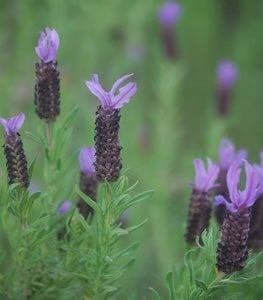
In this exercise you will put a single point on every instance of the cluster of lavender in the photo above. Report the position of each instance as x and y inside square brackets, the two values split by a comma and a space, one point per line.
[101, 163]
[240, 229]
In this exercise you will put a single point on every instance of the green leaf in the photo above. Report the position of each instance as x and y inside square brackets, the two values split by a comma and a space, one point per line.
[189, 264]
[201, 284]
[155, 295]
[31, 168]
[170, 283]
[87, 199]
[69, 119]
[139, 198]
[135, 227]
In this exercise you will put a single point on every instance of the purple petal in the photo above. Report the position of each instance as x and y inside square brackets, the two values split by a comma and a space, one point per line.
[221, 200]
[118, 82]
[126, 92]
[227, 74]
[97, 90]
[86, 160]
[13, 124]
[48, 45]
[233, 177]
[169, 13]
[65, 207]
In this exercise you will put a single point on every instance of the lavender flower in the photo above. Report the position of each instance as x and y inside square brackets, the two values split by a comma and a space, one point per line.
[232, 248]
[65, 207]
[255, 238]
[200, 203]
[169, 14]
[48, 45]
[47, 86]
[227, 75]
[16, 162]
[88, 181]
[226, 155]
[108, 161]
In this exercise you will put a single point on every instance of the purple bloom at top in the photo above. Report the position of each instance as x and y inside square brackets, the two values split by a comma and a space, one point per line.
[227, 74]
[169, 13]
[65, 207]
[109, 99]
[240, 199]
[86, 160]
[205, 179]
[227, 154]
[47, 45]
[13, 124]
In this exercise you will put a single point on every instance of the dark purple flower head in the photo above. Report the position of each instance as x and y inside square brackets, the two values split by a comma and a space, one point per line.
[86, 160]
[227, 74]
[47, 45]
[240, 199]
[65, 207]
[205, 180]
[109, 99]
[12, 125]
[169, 13]
[227, 154]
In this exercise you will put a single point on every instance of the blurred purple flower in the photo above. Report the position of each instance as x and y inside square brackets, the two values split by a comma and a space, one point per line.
[227, 154]
[246, 198]
[169, 13]
[205, 180]
[13, 124]
[227, 74]
[109, 99]
[47, 45]
[86, 160]
[65, 207]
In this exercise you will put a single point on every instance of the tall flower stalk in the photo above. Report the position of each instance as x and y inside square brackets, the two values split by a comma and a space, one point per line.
[108, 149]
[16, 162]
[200, 206]
[169, 14]
[232, 250]
[47, 88]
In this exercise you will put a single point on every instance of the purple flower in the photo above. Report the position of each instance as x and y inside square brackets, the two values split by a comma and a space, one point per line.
[12, 125]
[65, 207]
[205, 180]
[227, 154]
[47, 45]
[240, 199]
[109, 99]
[86, 160]
[169, 13]
[227, 74]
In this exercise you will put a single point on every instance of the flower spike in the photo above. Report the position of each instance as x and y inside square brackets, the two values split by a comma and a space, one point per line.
[16, 162]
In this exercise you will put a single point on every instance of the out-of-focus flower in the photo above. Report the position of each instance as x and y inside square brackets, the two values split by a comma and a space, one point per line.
[200, 202]
[88, 181]
[16, 162]
[47, 45]
[169, 13]
[109, 99]
[227, 74]
[87, 159]
[65, 207]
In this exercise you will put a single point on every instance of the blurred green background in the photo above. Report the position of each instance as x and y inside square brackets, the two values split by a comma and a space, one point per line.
[172, 118]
